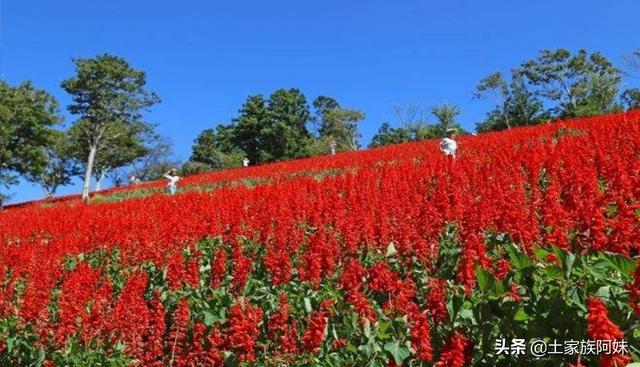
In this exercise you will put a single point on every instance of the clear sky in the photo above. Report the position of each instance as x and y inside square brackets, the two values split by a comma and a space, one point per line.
[205, 57]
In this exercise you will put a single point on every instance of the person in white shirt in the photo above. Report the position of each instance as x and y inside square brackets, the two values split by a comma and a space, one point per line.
[332, 147]
[133, 180]
[448, 145]
[172, 183]
[245, 162]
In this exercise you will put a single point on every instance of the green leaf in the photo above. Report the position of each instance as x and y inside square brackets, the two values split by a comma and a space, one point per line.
[560, 254]
[600, 268]
[383, 326]
[624, 265]
[521, 315]
[500, 287]
[485, 279]
[569, 260]
[208, 318]
[41, 356]
[10, 343]
[541, 253]
[367, 328]
[399, 352]
[603, 292]
[518, 259]
[554, 272]
[574, 296]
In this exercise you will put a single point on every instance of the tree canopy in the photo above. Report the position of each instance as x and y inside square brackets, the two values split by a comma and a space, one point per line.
[516, 104]
[109, 96]
[580, 84]
[27, 118]
[60, 167]
[278, 128]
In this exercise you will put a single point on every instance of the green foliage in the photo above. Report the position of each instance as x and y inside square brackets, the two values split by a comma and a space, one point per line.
[631, 98]
[27, 115]
[517, 105]
[580, 84]
[248, 126]
[388, 135]
[121, 145]
[216, 149]
[277, 129]
[60, 168]
[193, 168]
[286, 135]
[340, 127]
[414, 126]
[109, 96]
[446, 116]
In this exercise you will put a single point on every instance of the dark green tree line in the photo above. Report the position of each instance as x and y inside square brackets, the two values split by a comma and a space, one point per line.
[278, 128]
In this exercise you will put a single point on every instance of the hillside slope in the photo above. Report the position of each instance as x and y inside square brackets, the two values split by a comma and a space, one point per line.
[392, 256]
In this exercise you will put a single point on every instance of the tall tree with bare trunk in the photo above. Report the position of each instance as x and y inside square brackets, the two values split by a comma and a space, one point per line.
[106, 92]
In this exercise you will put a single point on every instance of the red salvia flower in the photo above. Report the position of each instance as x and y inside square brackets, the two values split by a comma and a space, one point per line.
[421, 338]
[131, 314]
[243, 329]
[218, 268]
[437, 300]
[502, 269]
[454, 352]
[282, 329]
[600, 327]
[314, 333]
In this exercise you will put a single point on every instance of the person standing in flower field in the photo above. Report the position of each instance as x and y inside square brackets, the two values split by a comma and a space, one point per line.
[245, 162]
[172, 183]
[332, 147]
[133, 180]
[448, 145]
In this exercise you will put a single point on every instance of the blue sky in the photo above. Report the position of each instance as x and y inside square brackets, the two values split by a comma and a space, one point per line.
[205, 57]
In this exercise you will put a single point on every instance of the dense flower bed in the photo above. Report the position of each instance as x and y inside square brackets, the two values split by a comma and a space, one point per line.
[403, 257]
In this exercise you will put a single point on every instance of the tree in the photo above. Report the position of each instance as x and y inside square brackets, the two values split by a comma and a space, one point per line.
[336, 124]
[107, 92]
[409, 114]
[247, 130]
[322, 104]
[286, 135]
[446, 116]
[414, 126]
[157, 160]
[194, 168]
[27, 116]
[388, 135]
[631, 98]
[61, 166]
[496, 85]
[216, 149]
[517, 106]
[581, 85]
[121, 145]
[339, 127]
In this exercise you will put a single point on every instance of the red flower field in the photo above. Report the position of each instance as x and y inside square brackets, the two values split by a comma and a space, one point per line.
[396, 256]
